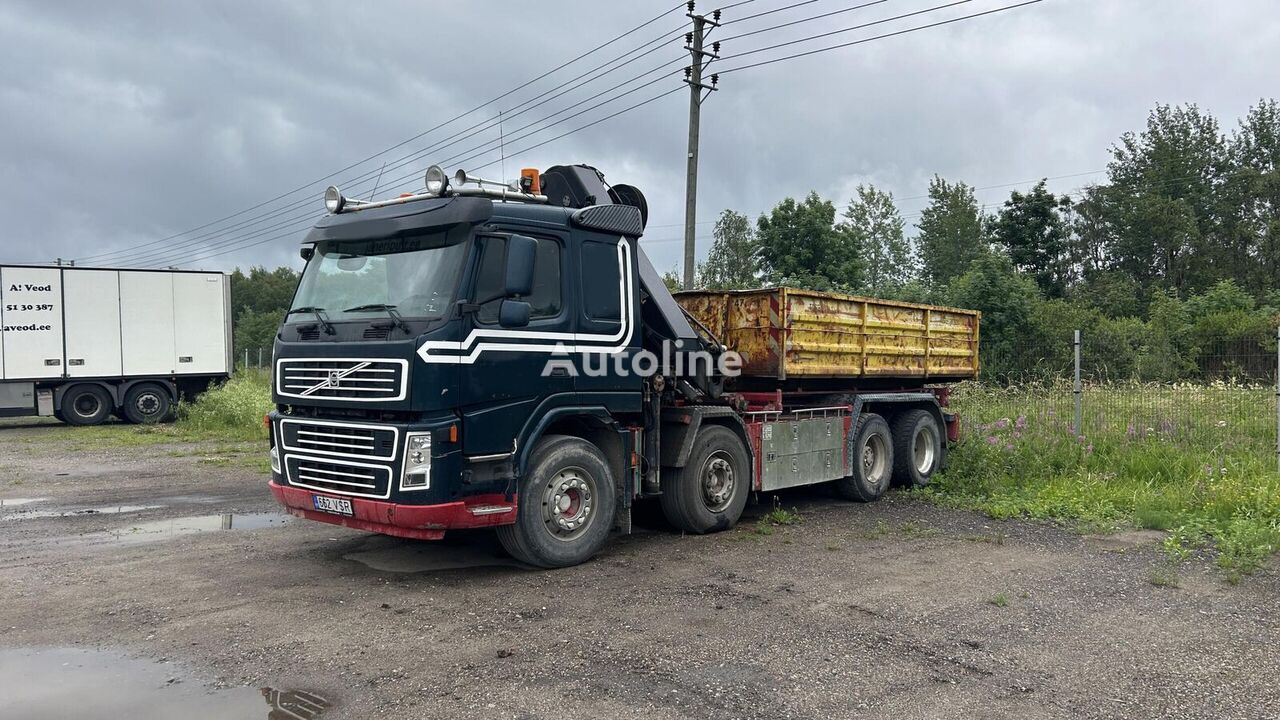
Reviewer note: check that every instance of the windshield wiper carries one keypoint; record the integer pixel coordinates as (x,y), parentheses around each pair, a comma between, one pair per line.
(396,317)
(319,313)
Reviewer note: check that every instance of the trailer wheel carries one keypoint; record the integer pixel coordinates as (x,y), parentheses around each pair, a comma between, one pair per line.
(872,460)
(85,405)
(917,448)
(710,491)
(147,403)
(566,505)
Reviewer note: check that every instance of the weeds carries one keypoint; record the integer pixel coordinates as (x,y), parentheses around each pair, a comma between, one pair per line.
(1181,459)
(999,600)
(1165,577)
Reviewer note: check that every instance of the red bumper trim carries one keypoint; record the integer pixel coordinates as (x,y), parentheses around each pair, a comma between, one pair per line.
(420,522)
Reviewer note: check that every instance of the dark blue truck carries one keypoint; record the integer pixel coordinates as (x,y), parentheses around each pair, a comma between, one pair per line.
(487,355)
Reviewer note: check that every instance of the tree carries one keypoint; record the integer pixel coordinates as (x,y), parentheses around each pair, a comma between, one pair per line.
(874,226)
(1007,301)
(800,246)
(1165,202)
(950,232)
(1032,230)
(734,260)
(671,279)
(1253,191)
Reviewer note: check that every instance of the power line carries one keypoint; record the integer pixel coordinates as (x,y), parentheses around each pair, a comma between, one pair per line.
(767,12)
(171,254)
(224,251)
(411,139)
(877,37)
(803,20)
(133,255)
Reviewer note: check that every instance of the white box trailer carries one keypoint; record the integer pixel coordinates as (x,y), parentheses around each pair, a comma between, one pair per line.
(84,343)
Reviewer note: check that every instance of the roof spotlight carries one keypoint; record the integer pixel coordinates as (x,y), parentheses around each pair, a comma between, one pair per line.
(333,200)
(437,181)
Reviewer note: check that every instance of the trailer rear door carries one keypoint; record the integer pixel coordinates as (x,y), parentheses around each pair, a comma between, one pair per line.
(32,332)
(93,322)
(199,326)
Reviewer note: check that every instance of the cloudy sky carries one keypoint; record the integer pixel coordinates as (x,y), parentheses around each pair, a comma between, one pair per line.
(130,130)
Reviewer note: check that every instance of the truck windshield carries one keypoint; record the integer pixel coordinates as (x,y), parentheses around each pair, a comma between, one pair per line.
(415,276)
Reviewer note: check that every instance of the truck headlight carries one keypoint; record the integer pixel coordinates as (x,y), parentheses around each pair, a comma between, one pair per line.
(275,459)
(417,462)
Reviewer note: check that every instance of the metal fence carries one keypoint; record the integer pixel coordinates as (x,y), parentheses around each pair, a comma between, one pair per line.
(1216,396)
(253,358)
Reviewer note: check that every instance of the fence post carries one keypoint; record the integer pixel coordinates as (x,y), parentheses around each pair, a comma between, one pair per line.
(1278,399)
(259,358)
(1077,390)
(246,358)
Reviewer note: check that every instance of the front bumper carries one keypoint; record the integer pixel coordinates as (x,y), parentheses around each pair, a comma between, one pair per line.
(420,522)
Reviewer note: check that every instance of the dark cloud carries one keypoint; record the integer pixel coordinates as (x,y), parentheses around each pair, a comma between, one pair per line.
(125,123)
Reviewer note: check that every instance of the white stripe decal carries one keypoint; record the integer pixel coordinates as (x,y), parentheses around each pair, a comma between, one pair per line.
(440,351)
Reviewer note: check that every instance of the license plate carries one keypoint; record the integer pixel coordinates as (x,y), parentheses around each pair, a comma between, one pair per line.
(334,506)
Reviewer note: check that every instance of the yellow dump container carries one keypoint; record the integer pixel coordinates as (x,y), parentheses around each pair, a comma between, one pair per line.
(788,333)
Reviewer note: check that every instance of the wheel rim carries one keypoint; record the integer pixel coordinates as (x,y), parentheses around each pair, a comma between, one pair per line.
(718,481)
(568,503)
(924,450)
(148,404)
(87,405)
(875,465)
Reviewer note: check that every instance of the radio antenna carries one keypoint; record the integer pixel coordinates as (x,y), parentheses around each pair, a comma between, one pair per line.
(502,147)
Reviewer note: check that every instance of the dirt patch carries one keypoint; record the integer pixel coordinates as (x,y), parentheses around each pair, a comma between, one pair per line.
(882,610)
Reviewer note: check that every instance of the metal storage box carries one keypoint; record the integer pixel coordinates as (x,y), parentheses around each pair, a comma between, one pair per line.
(788,333)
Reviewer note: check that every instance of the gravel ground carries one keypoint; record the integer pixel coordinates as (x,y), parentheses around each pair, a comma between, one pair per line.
(892,610)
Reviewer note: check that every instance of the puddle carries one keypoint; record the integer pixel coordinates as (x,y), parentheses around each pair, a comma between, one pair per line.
(55,683)
(105,510)
(416,556)
(164,529)
(16,502)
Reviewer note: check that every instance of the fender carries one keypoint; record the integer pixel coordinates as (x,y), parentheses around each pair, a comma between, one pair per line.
(680,428)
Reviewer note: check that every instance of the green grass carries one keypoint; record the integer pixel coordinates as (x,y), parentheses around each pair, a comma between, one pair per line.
(999,600)
(1195,461)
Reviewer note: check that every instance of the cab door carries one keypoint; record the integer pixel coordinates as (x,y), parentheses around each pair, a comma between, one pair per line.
(606,324)
(505,374)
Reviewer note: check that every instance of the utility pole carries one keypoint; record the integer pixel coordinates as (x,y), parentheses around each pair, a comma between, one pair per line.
(694,43)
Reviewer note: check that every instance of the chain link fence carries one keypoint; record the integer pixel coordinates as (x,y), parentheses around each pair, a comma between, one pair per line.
(1215,396)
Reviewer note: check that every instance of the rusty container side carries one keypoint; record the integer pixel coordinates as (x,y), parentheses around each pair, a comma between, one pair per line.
(784,332)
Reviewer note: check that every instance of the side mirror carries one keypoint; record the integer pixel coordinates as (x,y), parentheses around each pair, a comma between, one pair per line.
(307,251)
(513,314)
(518,279)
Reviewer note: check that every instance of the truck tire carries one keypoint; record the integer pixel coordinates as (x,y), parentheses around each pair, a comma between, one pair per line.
(566,505)
(147,403)
(871,456)
(710,491)
(917,448)
(86,405)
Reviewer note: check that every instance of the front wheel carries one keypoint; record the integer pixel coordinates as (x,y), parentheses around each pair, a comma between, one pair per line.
(566,505)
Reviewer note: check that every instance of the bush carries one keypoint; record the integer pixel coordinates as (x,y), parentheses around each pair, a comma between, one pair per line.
(233,410)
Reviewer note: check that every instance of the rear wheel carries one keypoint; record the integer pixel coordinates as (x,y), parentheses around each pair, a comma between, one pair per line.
(871,456)
(917,448)
(147,403)
(710,491)
(566,505)
(85,405)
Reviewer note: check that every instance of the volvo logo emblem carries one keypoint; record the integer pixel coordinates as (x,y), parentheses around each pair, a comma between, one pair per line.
(335,379)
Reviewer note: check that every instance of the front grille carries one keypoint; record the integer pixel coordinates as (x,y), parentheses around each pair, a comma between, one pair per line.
(349,379)
(338,476)
(348,440)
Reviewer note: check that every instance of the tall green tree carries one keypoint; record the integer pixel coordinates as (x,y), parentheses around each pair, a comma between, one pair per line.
(950,236)
(801,246)
(1032,230)
(1253,191)
(1165,201)
(734,260)
(875,227)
